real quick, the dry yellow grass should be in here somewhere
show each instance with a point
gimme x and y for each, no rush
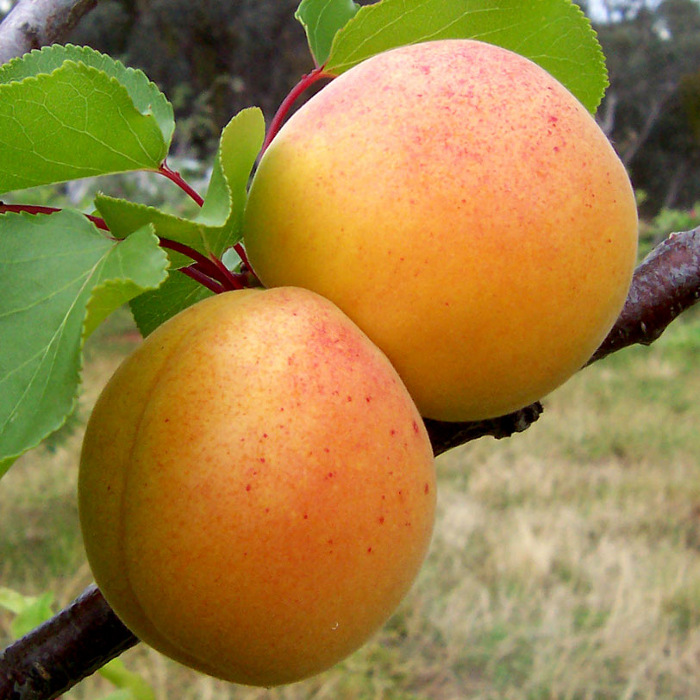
(565, 563)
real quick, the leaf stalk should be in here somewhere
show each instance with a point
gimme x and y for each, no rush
(304, 84)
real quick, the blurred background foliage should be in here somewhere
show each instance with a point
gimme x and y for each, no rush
(214, 57)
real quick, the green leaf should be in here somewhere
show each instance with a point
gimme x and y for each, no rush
(124, 217)
(321, 20)
(553, 33)
(218, 224)
(239, 146)
(120, 694)
(29, 611)
(145, 95)
(59, 278)
(217, 228)
(174, 295)
(12, 600)
(74, 122)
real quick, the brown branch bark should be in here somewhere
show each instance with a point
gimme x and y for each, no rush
(70, 646)
(83, 637)
(32, 24)
(666, 284)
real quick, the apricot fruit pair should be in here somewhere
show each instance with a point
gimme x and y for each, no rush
(464, 209)
(256, 487)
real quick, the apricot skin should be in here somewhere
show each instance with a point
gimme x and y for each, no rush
(464, 209)
(256, 487)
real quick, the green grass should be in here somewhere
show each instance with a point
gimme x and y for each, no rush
(565, 562)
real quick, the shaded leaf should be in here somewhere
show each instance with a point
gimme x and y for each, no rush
(174, 295)
(321, 20)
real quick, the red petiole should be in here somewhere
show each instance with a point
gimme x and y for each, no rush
(36, 209)
(306, 82)
(175, 177)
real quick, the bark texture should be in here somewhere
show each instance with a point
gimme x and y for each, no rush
(32, 24)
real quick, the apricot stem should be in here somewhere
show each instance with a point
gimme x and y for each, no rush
(37, 209)
(175, 177)
(306, 82)
(193, 272)
(226, 274)
(209, 271)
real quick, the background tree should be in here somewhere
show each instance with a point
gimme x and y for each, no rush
(651, 104)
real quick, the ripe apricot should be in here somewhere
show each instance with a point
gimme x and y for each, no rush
(464, 209)
(256, 487)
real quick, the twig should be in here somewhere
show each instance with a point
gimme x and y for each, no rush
(72, 645)
(665, 284)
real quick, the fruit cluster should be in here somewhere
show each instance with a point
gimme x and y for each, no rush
(443, 231)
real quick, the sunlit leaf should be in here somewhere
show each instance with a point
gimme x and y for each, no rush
(29, 611)
(553, 33)
(217, 228)
(218, 224)
(72, 123)
(146, 96)
(133, 684)
(59, 278)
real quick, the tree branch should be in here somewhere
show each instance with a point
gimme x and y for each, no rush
(32, 24)
(665, 284)
(70, 646)
(83, 637)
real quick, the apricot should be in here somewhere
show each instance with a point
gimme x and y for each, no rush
(464, 209)
(256, 487)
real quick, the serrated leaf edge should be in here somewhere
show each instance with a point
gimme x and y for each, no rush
(8, 460)
(114, 81)
(365, 9)
(89, 51)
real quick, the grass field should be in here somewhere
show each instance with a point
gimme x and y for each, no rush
(565, 562)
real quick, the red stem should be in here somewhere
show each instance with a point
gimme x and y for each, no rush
(242, 255)
(180, 182)
(36, 209)
(232, 281)
(205, 264)
(218, 270)
(306, 82)
(197, 275)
